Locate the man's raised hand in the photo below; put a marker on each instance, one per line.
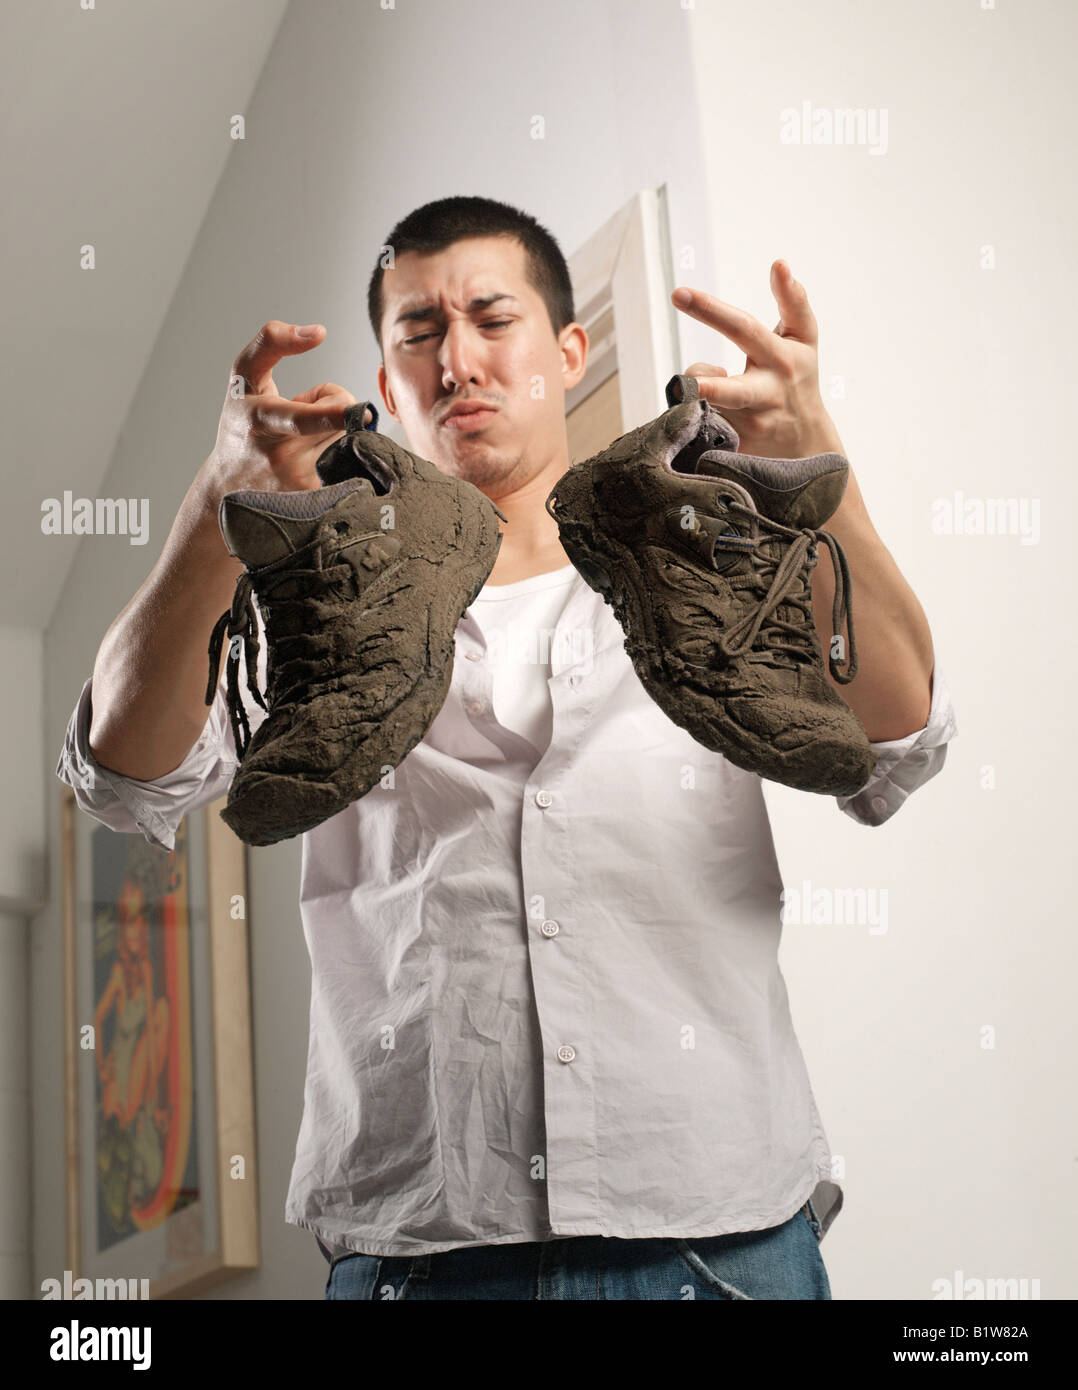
(266, 442)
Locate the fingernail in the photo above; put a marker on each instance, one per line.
(682, 297)
(308, 331)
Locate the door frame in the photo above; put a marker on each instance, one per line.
(622, 281)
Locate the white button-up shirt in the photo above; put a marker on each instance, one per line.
(546, 998)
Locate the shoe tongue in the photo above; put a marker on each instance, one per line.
(792, 492)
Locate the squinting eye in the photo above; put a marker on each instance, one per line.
(490, 323)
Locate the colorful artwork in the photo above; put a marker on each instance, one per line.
(146, 1145)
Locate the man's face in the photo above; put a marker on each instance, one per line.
(464, 328)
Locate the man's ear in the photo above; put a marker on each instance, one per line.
(386, 393)
(574, 344)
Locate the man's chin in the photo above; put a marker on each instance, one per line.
(480, 468)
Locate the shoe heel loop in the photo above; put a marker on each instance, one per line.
(353, 417)
(681, 388)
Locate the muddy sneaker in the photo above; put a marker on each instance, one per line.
(705, 556)
(360, 584)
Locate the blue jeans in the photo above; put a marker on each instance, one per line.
(780, 1262)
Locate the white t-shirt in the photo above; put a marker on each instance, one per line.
(518, 622)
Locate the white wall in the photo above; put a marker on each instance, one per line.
(114, 136)
(361, 115)
(957, 378)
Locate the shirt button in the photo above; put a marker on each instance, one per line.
(879, 804)
(473, 706)
(574, 680)
(543, 798)
(566, 1053)
(473, 656)
(550, 927)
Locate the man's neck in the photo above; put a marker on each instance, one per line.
(530, 542)
(527, 567)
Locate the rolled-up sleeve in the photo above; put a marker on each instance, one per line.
(154, 808)
(905, 763)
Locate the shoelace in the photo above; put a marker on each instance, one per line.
(738, 639)
(241, 621)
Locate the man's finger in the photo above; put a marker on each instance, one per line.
(329, 390)
(797, 321)
(326, 388)
(271, 415)
(728, 392)
(274, 340)
(753, 338)
(702, 369)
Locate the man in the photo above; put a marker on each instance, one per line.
(551, 1052)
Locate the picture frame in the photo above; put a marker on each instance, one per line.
(160, 1171)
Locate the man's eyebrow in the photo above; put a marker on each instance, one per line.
(424, 312)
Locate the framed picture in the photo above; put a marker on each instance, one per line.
(159, 1097)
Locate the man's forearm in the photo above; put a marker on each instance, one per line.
(891, 693)
(149, 678)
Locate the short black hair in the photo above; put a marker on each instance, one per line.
(437, 225)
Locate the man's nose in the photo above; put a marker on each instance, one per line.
(459, 356)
